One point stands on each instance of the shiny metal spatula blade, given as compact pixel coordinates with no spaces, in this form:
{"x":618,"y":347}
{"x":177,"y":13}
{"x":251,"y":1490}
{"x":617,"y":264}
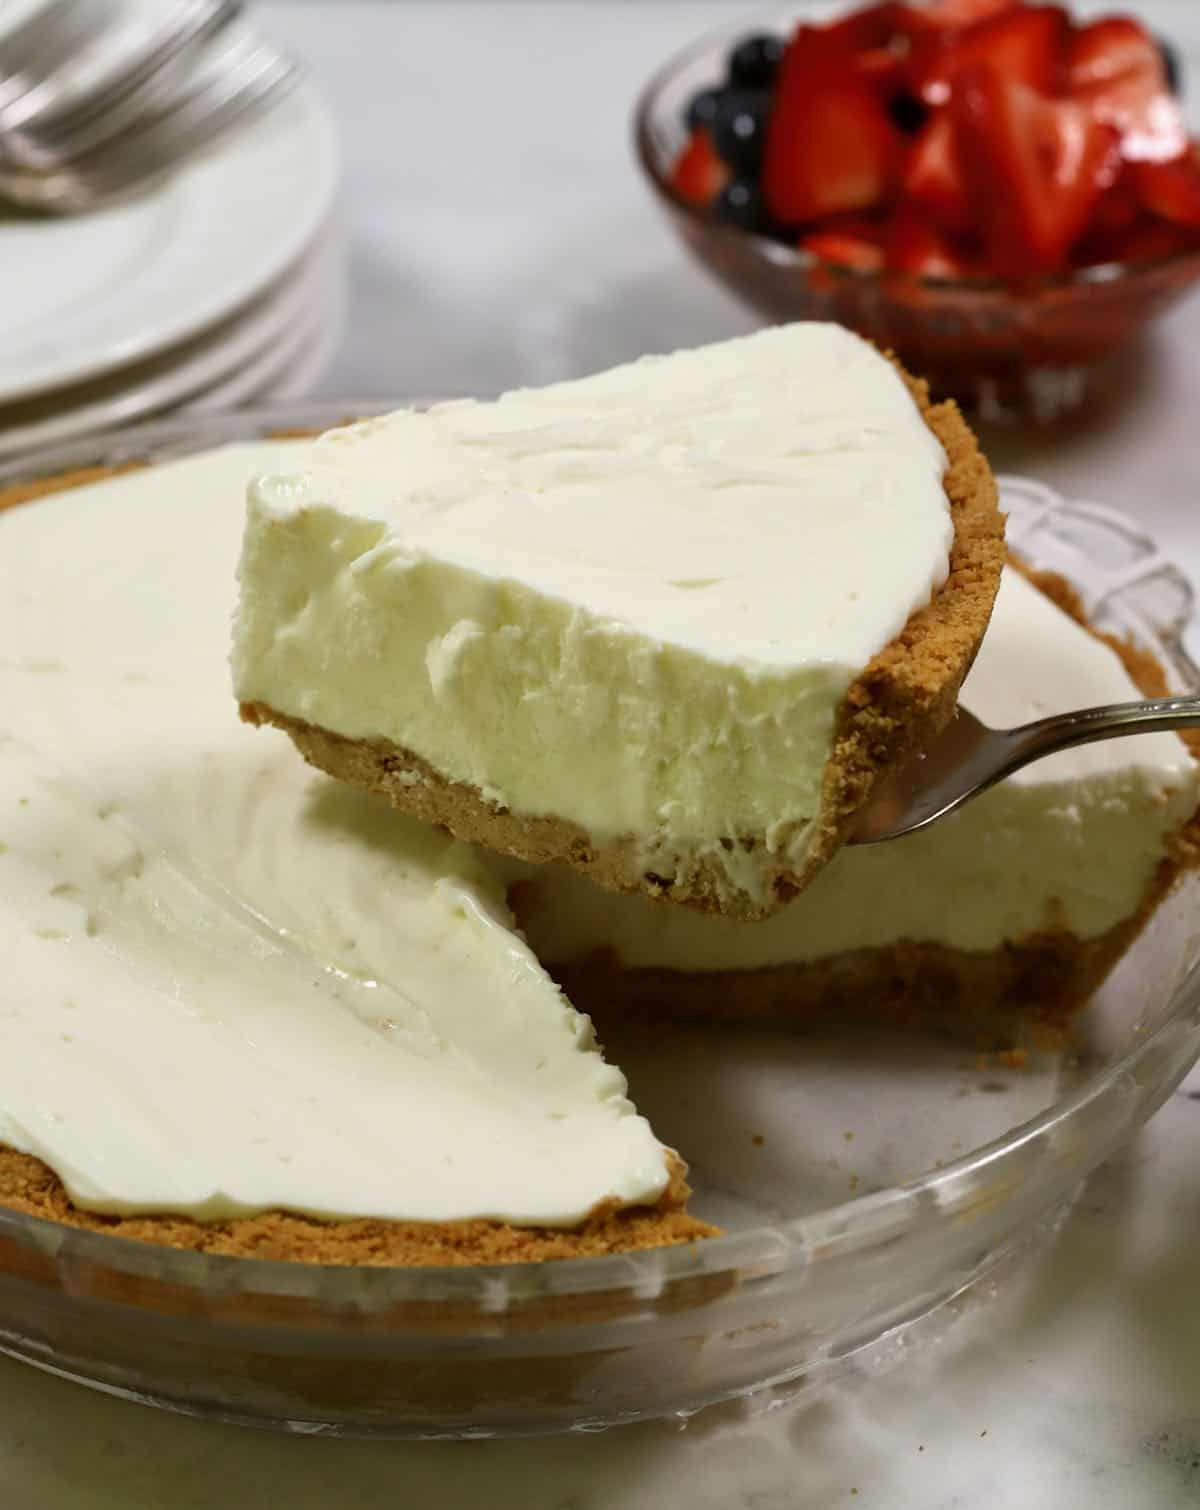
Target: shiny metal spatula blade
{"x":967,"y":758}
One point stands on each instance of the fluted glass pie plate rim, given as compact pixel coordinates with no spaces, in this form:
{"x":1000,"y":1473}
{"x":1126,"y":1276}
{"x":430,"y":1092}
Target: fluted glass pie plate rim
{"x":566,"y":1323}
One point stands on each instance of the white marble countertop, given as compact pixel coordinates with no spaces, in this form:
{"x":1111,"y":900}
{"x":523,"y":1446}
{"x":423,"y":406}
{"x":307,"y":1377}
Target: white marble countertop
{"x":498,"y":234}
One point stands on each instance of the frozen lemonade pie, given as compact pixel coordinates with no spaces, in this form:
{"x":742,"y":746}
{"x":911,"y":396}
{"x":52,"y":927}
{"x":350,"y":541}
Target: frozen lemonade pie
{"x":666,"y":624}
{"x":249,"y":1010}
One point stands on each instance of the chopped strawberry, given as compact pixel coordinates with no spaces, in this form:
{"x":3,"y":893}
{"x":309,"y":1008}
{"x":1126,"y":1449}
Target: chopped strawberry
{"x":699,"y":175}
{"x":1146,"y":240}
{"x":933,"y":179}
{"x":1171,"y":190}
{"x":955,"y":138}
{"x":915,"y":245}
{"x":831,"y":146}
{"x":870,"y":42}
{"x":1108,"y":50}
{"x":1116,"y":67}
{"x":851,"y":241}
{"x":1035,"y":169}
{"x":861,"y":31}
{"x":1152,"y":239}
{"x":950,"y":15}
{"x":885,"y":68}
{"x":1025,"y":45}
{"x":1119,"y":207}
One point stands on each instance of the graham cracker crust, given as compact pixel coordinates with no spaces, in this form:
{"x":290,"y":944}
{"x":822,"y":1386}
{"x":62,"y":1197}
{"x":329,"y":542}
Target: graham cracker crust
{"x":904,"y":696}
{"x":992,"y":999}
{"x":909,"y":691}
{"x":28,"y":1185}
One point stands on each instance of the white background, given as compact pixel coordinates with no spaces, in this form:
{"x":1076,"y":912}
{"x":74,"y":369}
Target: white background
{"x":499,"y":234}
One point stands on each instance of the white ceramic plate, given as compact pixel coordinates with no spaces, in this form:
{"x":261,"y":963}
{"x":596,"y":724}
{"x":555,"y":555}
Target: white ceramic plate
{"x":302,"y":373}
{"x":287,"y":369}
{"x":308,"y":297}
{"x":87,"y":294}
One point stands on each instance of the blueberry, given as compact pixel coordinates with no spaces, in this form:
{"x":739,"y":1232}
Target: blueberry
{"x":1172,"y":66}
{"x":740,"y":203}
{"x":702,"y":110}
{"x":739,"y":129}
{"x":754,"y":62}
{"x":908,"y":113}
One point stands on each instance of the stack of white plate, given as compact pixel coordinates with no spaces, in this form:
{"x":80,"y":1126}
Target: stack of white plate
{"x":223,"y":285}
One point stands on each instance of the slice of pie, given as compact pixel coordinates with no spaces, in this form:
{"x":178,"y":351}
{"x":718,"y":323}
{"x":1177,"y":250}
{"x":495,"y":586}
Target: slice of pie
{"x":666,"y":624}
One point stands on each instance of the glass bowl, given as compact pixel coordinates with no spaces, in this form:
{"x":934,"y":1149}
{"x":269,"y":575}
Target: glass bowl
{"x":863,"y":1180}
{"x":1007,"y":352}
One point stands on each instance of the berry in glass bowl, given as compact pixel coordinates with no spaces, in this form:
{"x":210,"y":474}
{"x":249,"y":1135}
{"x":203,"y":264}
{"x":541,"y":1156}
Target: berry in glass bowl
{"x":999,"y":193}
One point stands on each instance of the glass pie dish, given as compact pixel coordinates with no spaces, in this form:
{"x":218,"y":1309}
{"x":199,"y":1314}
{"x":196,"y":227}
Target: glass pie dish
{"x":1008,"y":352}
{"x":863,"y":1179}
